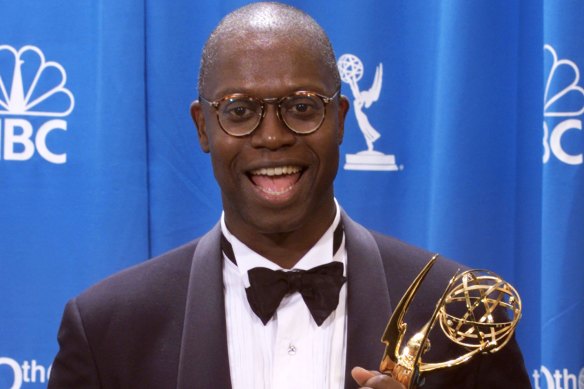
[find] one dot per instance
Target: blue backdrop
(480, 154)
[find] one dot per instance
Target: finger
(382, 381)
(374, 379)
(361, 375)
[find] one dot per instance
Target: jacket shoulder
(142, 293)
(167, 268)
(403, 262)
(125, 330)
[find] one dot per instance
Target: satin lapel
(368, 303)
(204, 361)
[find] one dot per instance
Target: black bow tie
(319, 287)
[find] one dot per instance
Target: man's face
(273, 180)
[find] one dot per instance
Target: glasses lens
(239, 115)
(303, 113)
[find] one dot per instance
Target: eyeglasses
(240, 114)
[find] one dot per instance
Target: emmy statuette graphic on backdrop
(478, 311)
(351, 71)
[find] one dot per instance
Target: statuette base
(370, 160)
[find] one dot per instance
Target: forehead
(267, 66)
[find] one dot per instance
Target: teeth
(276, 192)
(275, 171)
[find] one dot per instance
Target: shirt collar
(319, 254)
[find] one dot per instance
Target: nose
(272, 133)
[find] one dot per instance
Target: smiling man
(271, 116)
(286, 291)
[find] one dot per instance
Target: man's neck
(285, 248)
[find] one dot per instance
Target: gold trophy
(493, 309)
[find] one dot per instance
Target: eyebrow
(246, 91)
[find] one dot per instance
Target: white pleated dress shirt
(291, 350)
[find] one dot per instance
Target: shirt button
(291, 350)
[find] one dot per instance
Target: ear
(343, 109)
(199, 120)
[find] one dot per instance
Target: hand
(374, 379)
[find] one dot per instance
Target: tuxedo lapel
(204, 361)
(368, 303)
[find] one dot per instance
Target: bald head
(265, 23)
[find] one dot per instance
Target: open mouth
(275, 181)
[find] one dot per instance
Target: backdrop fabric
(464, 137)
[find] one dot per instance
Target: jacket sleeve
(504, 369)
(74, 365)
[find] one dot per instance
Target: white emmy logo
(351, 71)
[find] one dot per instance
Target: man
(271, 116)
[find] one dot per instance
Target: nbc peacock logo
(32, 89)
(563, 110)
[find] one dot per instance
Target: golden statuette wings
(491, 310)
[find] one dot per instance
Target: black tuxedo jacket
(161, 324)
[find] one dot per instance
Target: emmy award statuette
(490, 307)
(351, 71)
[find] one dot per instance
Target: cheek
(222, 145)
(327, 151)
(224, 150)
